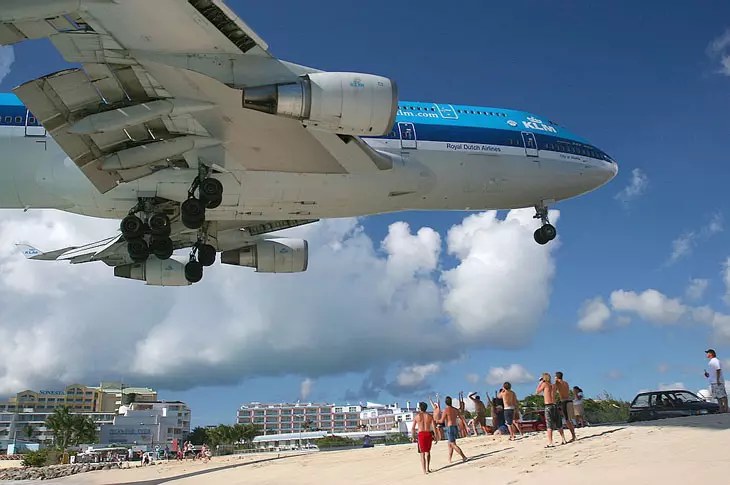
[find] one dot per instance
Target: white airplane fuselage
(445, 158)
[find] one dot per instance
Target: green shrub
(35, 458)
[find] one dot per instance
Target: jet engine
(340, 102)
(155, 272)
(271, 256)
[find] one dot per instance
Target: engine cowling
(340, 102)
(282, 255)
(155, 272)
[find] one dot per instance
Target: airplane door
(32, 126)
(530, 143)
(407, 136)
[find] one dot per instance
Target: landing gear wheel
(132, 227)
(192, 213)
(545, 234)
(211, 190)
(193, 271)
(159, 225)
(138, 250)
(206, 255)
(213, 203)
(162, 247)
(539, 238)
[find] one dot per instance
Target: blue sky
(637, 79)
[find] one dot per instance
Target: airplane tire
(211, 189)
(548, 232)
(192, 213)
(193, 271)
(206, 255)
(162, 247)
(138, 250)
(132, 227)
(159, 225)
(213, 203)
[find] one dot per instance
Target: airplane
(180, 123)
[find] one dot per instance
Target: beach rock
(54, 471)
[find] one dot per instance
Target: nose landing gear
(547, 232)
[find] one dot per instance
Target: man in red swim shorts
(426, 426)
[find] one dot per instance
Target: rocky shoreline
(53, 471)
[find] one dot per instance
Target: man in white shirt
(717, 381)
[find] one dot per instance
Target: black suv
(668, 404)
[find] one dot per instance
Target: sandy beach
(666, 450)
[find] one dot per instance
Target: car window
(641, 401)
(686, 397)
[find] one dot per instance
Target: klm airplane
(181, 124)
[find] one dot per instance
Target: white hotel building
(282, 418)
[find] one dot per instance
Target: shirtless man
(552, 415)
(566, 403)
(437, 416)
(426, 436)
(462, 422)
(480, 414)
(450, 418)
(510, 404)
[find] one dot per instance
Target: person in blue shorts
(450, 417)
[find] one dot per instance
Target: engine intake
(340, 102)
(155, 272)
(271, 256)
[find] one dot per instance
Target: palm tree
(70, 429)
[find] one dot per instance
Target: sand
(666, 451)
(10, 463)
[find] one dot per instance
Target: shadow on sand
(471, 459)
(592, 436)
(159, 481)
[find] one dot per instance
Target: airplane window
(31, 120)
(18, 119)
(8, 119)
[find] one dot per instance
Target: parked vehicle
(652, 405)
(533, 420)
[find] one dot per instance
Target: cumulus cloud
(593, 315)
(514, 374)
(623, 320)
(305, 389)
(686, 242)
(719, 49)
(650, 305)
(7, 57)
(635, 188)
(362, 306)
(414, 376)
(696, 288)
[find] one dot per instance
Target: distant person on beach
(426, 426)
(578, 406)
(552, 414)
(508, 396)
(462, 422)
(566, 403)
(480, 414)
(437, 416)
(717, 380)
(450, 418)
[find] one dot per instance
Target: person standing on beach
(717, 381)
(566, 403)
(426, 426)
(552, 415)
(462, 422)
(578, 406)
(450, 417)
(437, 416)
(508, 396)
(480, 414)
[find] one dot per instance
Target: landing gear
(210, 196)
(547, 232)
(193, 271)
(201, 255)
(158, 227)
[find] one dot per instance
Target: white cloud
(414, 376)
(7, 57)
(593, 315)
(726, 279)
(305, 389)
(636, 187)
(719, 49)
(672, 386)
(650, 305)
(397, 304)
(514, 374)
(473, 378)
(696, 288)
(685, 243)
(663, 368)
(623, 320)
(715, 225)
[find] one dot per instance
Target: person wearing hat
(717, 381)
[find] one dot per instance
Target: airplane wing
(111, 251)
(171, 71)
